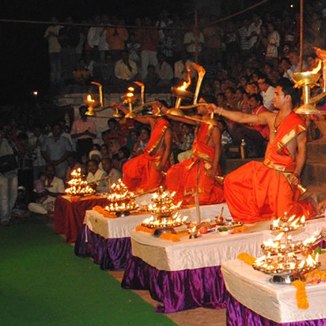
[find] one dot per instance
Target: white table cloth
(121, 227)
(272, 301)
(208, 250)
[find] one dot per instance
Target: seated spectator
(111, 175)
(94, 173)
(165, 73)
(81, 75)
(124, 154)
(125, 70)
(151, 79)
(47, 188)
(266, 91)
(97, 156)
(73, 164)
(285, 67)
(116, 162)
(113, 133)
(142, 141)
(105, 151)
(184, 143)
(255, 136)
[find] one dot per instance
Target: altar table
(255, 301)
(69, 214)
(107, 240)
(187, 274)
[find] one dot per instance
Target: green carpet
(42, 282)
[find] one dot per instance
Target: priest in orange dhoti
(146, 172)
(262, 190)
(198, 173)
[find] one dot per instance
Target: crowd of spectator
(155, 49)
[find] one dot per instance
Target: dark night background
(24, 58)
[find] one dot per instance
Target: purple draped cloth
(108, 253)
(179, 290)
(237, 314)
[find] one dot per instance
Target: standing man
(145, 172)
(197, 174)
(262, 190)
(54, 48)
(84, 131)
(56, 150)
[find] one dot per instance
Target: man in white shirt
(95, 174)
(194, 42)
(53, 187)
(54, 49)
(180, 68)
(266, 91)
(125, 69)
(111, 175)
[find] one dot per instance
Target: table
(107, 240)
(255, 301)
(69, 215)
(187, 274)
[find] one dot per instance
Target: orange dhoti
(255, 192)
(182, 178)
(140, 173)
(189, 176)
(260, 190)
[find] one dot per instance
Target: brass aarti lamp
(307, 80)
(130, 98)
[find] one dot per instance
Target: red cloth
(69, 216)
(182, 177)
(140, 173)
(259, 190)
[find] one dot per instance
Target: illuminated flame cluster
(164, 213)
(121, 199)
(77, 185)
(288, 224)
(282, 255)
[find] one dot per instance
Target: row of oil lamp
(77, 185)
(121, 199)
(283, 256)
(165, 215)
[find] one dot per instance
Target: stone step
(316, 150)
(316, 192)
(314, 172)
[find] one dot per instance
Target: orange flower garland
(301, 294)
(248, 259)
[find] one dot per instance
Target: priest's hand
(322, 207)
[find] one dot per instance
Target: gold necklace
(275, 127)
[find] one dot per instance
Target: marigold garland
(144, 229)
(239, 229)
(316, 276)
(103, 212)
(173, 236)
(301, 294)
(248, 259)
